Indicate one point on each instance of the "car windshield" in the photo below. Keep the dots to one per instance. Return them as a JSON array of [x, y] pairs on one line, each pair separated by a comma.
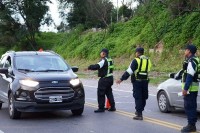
[[40, 63]]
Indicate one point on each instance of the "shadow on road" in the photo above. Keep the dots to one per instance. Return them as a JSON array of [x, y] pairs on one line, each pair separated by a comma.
[[43, 115]]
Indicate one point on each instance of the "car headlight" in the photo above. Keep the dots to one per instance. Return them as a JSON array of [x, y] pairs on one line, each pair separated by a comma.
[[75, 82], [29, 83]]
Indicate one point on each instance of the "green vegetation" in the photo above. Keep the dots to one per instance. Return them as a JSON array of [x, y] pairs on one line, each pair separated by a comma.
[[122, 38]]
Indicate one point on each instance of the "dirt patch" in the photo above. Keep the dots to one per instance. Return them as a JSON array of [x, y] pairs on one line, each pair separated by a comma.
[[160, 76]]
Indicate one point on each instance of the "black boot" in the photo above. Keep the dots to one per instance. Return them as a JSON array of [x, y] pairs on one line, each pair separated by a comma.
[[188, 128], [138, 116], [99, 110], [136, 113], [112, 109]]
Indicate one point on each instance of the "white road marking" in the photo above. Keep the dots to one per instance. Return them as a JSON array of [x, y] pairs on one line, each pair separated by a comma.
[[94, 99], [118, 90], [1, 131], [90, 86], [121, 96], [125, 102]]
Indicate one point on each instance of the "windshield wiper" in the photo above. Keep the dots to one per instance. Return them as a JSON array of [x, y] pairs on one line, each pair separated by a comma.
[[49, 70], [26, 70]]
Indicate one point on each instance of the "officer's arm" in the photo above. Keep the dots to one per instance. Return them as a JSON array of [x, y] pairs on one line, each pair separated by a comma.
[[190, 74], [133, 66], [97, 66]]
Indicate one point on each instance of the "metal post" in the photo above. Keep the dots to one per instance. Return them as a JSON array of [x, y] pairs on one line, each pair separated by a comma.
[[117, 12]]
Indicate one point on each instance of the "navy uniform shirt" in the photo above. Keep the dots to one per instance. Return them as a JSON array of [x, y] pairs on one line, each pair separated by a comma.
[[102, 67], [130, 71]]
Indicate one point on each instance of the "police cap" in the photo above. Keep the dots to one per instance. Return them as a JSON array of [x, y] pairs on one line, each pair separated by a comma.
[[105, 51], [140, 50], [192, 48]]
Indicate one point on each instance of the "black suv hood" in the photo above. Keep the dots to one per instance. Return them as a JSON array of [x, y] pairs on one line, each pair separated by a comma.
[[48, 76]]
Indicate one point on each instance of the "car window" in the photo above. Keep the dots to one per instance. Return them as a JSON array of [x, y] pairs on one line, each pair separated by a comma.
[[7, 64], [40, 63], [178, 75], [3, 60]]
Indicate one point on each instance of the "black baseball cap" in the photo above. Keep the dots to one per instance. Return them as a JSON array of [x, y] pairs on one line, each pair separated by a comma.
[[140, 50], [105, 50], [192, 48]]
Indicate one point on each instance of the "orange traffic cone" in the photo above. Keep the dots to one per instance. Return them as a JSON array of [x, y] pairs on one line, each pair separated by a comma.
[[107, 104]]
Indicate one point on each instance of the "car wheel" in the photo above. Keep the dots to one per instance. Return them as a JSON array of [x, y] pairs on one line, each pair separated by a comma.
[[77, 111], [163, 102], [14, 114], [1, 105]]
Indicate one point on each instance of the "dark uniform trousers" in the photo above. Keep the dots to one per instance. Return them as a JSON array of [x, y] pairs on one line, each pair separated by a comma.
[[140, 93], [104, 88], [190, 105]]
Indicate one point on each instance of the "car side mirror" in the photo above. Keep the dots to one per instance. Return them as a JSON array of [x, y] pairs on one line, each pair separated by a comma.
[[172, 75], [10, 71], [74, 68], [4, 71]]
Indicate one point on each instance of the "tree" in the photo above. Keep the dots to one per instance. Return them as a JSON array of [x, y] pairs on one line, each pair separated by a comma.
[[142, 1], [100, 10], [90, 13], [29, 14], [76, 14], [180, 7], [125, 11], [8, 26]]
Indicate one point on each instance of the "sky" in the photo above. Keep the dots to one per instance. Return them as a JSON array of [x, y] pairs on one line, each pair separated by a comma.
[[55, 14]]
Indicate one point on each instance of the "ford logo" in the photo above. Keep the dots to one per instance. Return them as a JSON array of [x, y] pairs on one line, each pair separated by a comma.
[[54, 82]]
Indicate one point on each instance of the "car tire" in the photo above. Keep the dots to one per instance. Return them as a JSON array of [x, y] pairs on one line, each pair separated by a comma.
[[1, 105], [13, 113], [77, 111], [163, 102]]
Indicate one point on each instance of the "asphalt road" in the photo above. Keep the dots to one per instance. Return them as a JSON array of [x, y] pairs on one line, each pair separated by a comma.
[[109, 122]]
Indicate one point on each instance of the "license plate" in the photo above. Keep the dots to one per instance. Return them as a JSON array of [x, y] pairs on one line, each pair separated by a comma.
[[55, 99]]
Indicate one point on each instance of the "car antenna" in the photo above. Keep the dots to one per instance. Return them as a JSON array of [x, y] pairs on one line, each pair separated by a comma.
[[33, 48]]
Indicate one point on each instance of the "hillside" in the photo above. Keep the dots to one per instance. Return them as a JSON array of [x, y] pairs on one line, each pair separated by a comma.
[[121, 39]]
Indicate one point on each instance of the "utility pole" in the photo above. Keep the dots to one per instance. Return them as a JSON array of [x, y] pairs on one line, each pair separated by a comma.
[[117, 12]]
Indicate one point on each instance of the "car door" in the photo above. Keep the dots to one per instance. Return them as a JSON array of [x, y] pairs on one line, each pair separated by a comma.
[[198, 101], [5, 79], [2, 82], [176, 99]]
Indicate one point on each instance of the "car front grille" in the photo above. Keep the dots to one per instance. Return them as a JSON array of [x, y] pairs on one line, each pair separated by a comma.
[[45, 92]]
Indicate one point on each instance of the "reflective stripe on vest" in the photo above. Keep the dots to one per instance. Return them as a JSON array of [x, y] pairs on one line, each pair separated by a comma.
[[195, 85], [110, 67], [144, 66]]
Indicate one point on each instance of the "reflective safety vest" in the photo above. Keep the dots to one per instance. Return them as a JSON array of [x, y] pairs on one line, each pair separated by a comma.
[[110, 67], [144, 66], [195, 84]]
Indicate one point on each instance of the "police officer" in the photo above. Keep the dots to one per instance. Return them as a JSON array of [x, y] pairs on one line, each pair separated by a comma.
[[105, 72], [138, 70], [190, 87]]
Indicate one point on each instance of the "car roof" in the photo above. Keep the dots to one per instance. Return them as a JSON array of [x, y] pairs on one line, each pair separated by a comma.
[[27, 53]]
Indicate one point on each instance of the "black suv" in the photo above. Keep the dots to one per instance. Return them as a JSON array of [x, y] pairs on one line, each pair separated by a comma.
[[32, 81]]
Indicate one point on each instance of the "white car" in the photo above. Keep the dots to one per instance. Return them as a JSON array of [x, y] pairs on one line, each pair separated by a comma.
[[169, 94]]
